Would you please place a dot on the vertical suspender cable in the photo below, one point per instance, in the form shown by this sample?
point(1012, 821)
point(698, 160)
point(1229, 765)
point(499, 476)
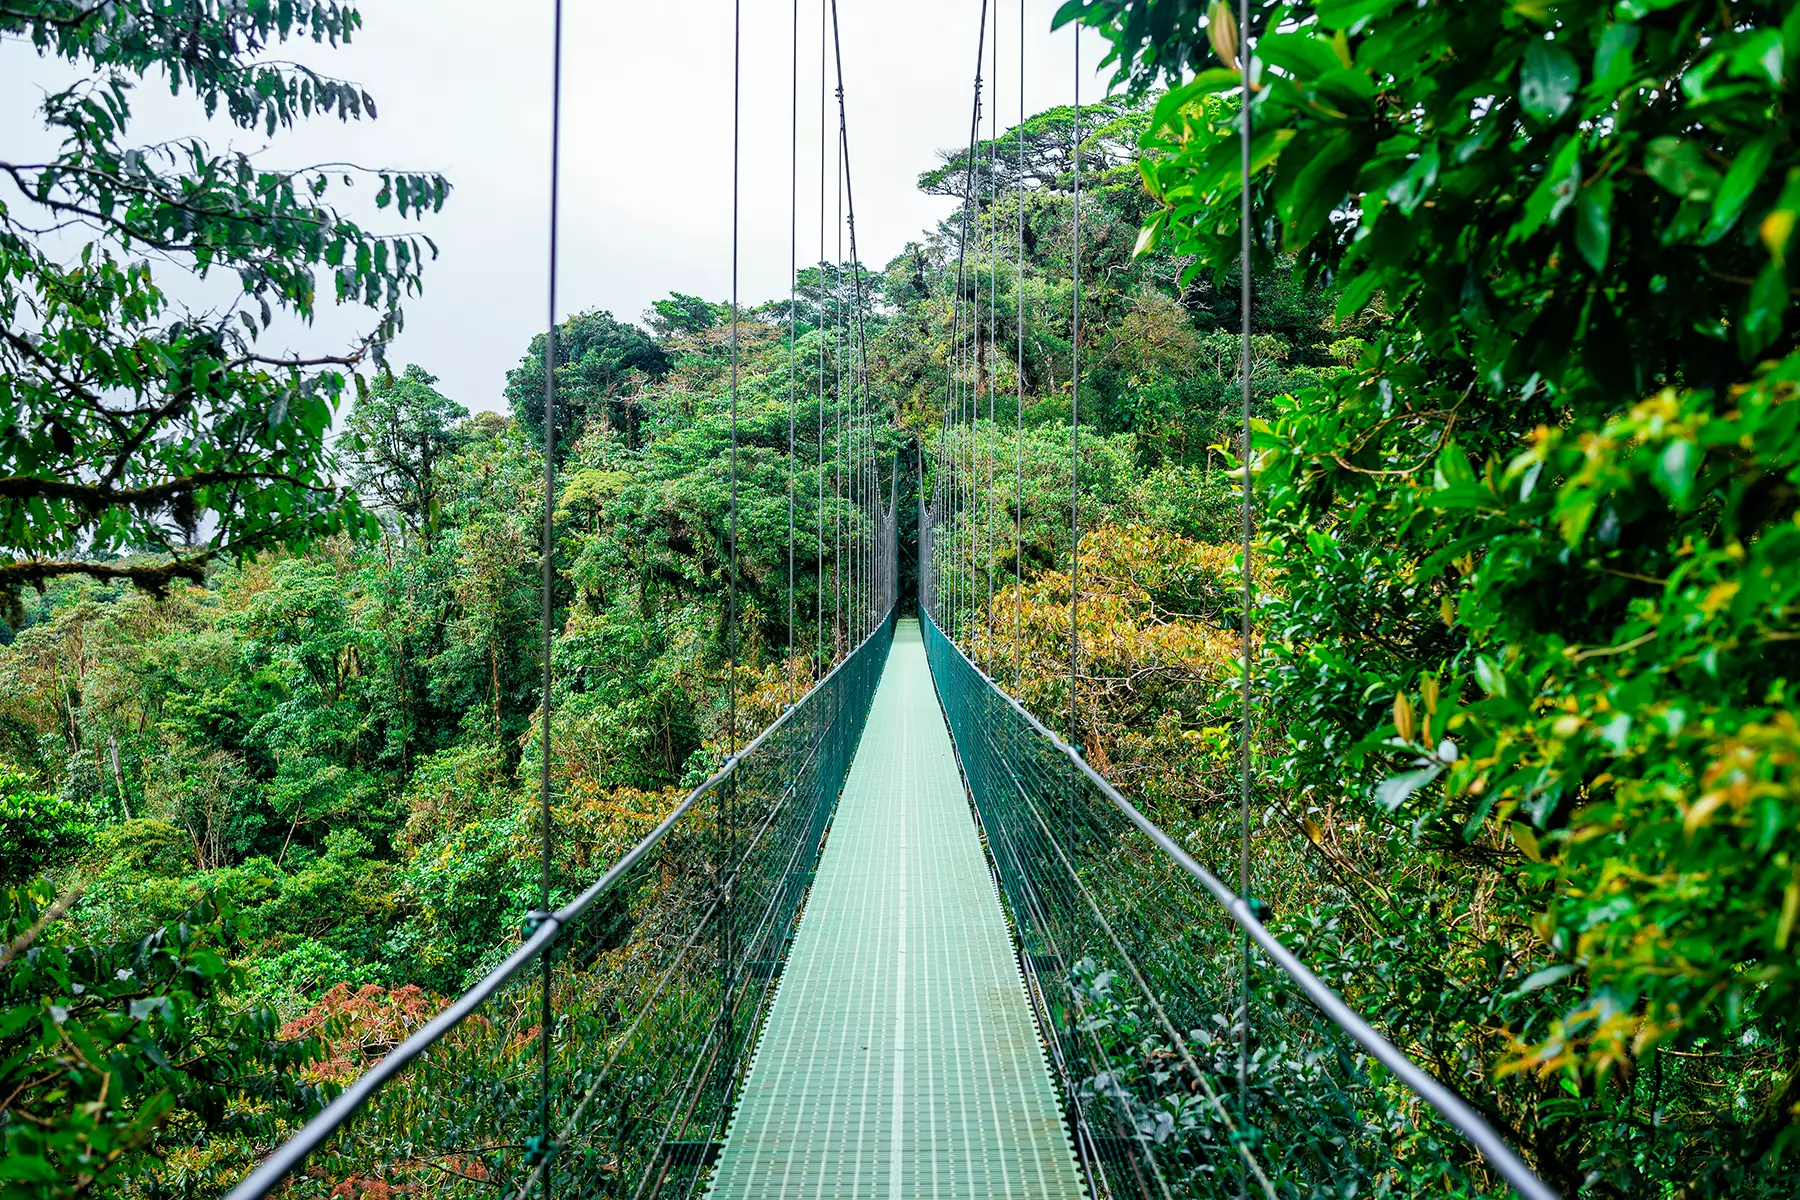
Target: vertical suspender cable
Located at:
point(837, 413)
point(962, 256)
point(727, 796)
point(1019, 420)
point(793, 326)
point(819, 465)
point(1075, 428)
point(1244, 297)
point(547, 582)
point(987, 506)
point(860, 338)
point(731, 647)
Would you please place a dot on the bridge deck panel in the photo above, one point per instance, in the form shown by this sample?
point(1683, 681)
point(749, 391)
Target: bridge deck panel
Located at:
point(900, 1058)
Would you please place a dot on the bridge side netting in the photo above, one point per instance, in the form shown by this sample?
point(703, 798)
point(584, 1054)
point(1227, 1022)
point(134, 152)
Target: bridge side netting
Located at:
point(659, 977)
point(1135, 972)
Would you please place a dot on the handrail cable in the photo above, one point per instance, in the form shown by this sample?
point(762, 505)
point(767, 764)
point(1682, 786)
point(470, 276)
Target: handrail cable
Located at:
point(669, 973)
point(1455, 1111)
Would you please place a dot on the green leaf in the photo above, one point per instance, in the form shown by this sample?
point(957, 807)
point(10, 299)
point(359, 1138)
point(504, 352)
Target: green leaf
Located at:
point(1593, 223)
point(1406, 192)
point(1554, 193)
point(1574, 517)
point(1679, 167)
point(1300, 53)
point(30, 1168)
point(1747, 170)
point(1763, 311)
point(1206, 83)
point(1547, 81)
point(1357, 294)
point(1146, 237)
point(1392, 793)
point(1613, 56)
point(1453, 468)
point(1544, 978)
point(1350, 15)
point(1673, 471)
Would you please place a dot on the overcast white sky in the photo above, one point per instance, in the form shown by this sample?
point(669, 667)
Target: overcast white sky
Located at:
point(463, 87)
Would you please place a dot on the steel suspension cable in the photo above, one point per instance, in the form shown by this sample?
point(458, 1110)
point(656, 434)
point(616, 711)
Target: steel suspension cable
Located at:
point(793, 327)
point(1075, 429)
point(1019, 421)
point(962, 256)
point(819, 337)
point(860, 366)
point(1244, 731)
point(728, 795)
point(993, 328)
point(547, 582)
point(837, 415)
point(731, 647)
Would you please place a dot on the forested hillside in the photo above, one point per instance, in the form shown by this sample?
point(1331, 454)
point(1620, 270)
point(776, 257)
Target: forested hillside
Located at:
point(1526, 470)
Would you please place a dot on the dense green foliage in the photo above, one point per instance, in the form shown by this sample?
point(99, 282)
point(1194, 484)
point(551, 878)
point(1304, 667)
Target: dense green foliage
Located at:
point(136, 422)
point(1531, 608)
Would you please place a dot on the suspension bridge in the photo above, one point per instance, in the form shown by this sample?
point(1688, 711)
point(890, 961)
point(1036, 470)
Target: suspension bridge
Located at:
point(905, 941)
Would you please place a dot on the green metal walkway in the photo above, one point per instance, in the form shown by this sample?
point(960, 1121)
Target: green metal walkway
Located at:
point(900, 1057)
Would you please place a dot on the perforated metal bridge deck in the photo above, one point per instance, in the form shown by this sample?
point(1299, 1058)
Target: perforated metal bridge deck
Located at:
point(900, 1057)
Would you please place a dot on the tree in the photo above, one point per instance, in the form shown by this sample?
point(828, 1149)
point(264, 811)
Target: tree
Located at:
point(113, 1054)
point(1110, 128)
point(397, 438)
point(37, 829)
point(598, 361)
point(132, 421)
point(680, 315)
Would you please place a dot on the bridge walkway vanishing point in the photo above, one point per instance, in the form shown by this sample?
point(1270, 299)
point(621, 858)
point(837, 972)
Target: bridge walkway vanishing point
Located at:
point(900, 1057)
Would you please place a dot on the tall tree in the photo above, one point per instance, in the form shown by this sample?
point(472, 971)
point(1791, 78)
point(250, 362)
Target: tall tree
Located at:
point(134, 422)
point(598, 361)
point(396, 441)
